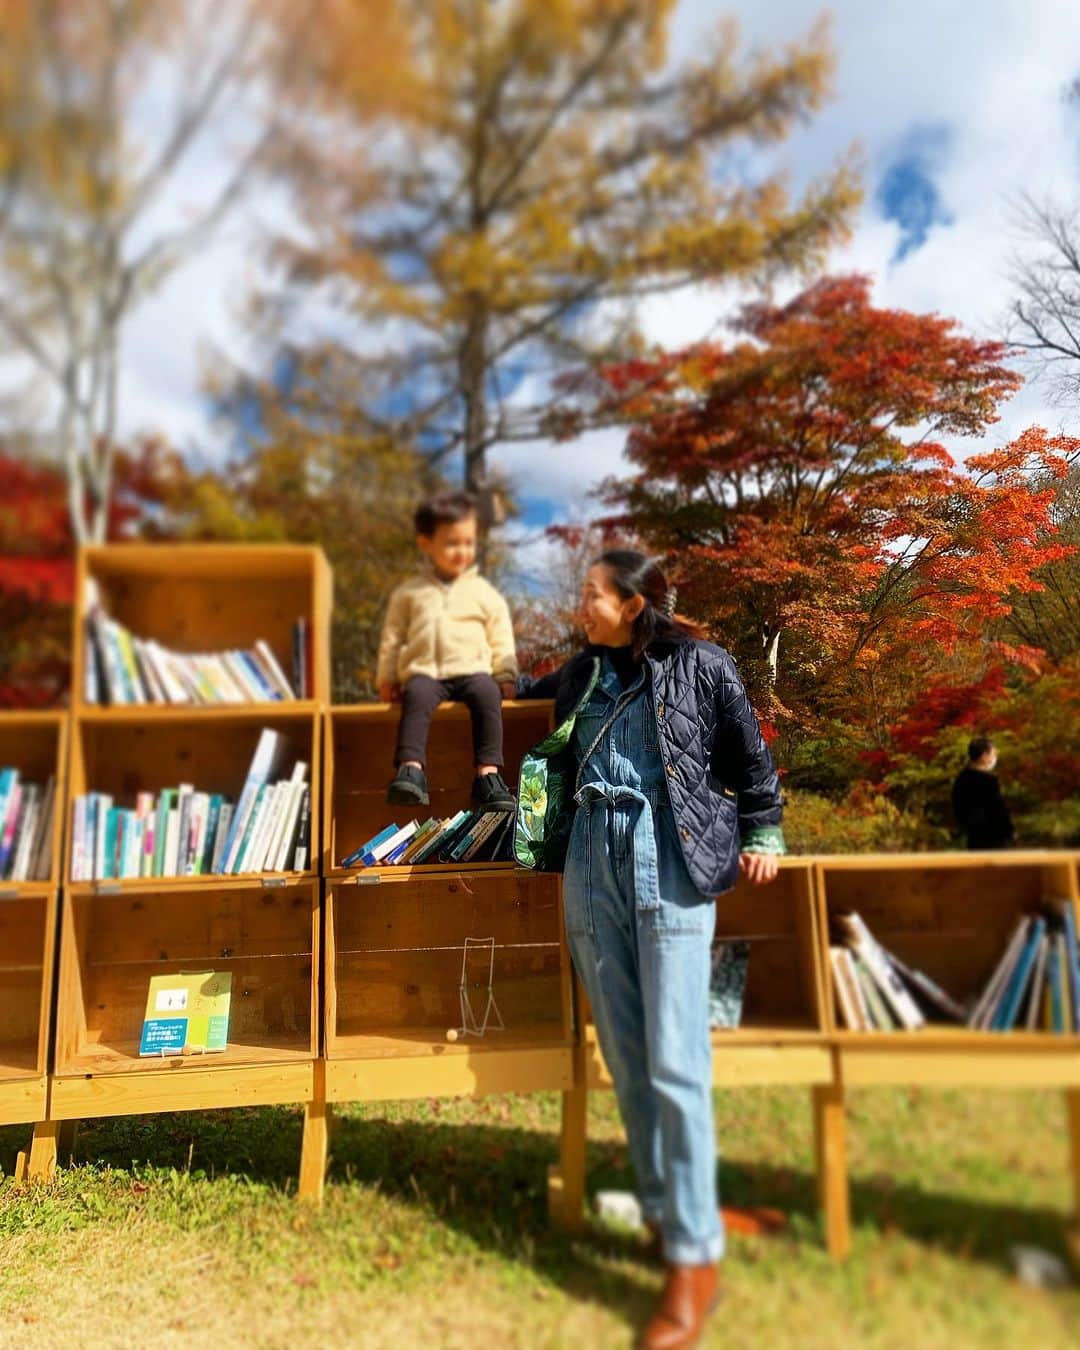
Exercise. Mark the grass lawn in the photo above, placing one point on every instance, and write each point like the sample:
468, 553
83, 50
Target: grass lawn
183, 1230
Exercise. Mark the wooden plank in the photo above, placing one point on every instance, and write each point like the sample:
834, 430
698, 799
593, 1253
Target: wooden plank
314, 1152
741, 1064
830, 1149
566, 1179
41, 1164
181, 1087
200, 924
475, 1073
930, 1068
23, 1099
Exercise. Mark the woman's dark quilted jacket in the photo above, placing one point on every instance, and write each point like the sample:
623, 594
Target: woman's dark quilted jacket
721, 777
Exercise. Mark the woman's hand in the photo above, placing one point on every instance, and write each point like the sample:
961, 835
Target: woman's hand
508, 689
390, 693
759, 868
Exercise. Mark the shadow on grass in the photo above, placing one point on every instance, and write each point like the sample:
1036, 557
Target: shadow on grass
488, 1182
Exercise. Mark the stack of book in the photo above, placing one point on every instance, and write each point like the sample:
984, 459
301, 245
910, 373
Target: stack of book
121, 668
26, 817
181, 832
468, 836
1035, 985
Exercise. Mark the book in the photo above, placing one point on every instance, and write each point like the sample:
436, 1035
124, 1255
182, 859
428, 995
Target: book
122, 668
352, 859
879, 1012
379, 852
186, 1014
927, 993
892, 987
1072, 959
978, 1018
1013, 992
301, 844
848, 1000
1038, 981
264, 763
1055, 978
439, 837
728, 967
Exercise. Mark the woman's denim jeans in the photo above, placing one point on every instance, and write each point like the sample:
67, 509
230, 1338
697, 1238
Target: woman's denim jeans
639, 933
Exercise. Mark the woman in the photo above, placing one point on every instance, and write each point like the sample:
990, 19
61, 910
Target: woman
675, 791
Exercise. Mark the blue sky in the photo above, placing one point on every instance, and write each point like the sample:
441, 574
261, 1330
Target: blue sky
956, 108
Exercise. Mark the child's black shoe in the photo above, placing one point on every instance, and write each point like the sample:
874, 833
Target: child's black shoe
408, 787
490, 793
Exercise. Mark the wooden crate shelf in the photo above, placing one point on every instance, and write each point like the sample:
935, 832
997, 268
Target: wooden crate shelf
950, 915
266, 930
36, 744
112, 944
130, 750
359, 762
210, 597
394, 955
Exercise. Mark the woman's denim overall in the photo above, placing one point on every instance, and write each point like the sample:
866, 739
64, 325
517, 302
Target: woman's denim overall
639, 933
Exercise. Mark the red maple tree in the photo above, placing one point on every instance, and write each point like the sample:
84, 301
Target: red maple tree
800, 479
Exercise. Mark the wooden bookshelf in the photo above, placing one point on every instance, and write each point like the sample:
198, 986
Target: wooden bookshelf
359, 763
209, 597
36, 744
266, 928
395, 936
949, 915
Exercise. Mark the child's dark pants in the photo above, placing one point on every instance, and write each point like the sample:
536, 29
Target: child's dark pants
422, 695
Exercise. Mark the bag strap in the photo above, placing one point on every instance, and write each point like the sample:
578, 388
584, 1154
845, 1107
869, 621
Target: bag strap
621, 702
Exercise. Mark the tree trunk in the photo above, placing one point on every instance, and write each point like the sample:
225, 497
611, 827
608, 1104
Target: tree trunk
474, 396
772, 656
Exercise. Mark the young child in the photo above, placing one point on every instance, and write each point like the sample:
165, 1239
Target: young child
448, 635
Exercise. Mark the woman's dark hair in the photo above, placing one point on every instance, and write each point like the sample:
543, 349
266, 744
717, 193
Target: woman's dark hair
978, 747
633, 573
445, 509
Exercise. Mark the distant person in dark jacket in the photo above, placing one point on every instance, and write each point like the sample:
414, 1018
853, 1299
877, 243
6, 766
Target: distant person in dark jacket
977, 802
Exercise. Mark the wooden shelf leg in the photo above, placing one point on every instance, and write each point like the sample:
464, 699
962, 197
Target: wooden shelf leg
566, 1179
830, 1148
314, 1151
41, 1164
1072, 1119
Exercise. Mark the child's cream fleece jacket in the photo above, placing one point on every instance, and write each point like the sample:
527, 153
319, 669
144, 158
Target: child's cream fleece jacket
446, 628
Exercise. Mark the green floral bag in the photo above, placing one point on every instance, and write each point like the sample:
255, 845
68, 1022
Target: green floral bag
545, 809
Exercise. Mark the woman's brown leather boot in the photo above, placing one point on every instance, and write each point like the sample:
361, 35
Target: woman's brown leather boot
690, 1295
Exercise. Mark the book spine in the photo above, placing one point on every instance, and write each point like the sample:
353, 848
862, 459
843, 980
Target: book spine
302, 851
1014, 990
273, 667
1072, 960
218, 858
892, 987
265, 691
7, 838
213, 815
250, 826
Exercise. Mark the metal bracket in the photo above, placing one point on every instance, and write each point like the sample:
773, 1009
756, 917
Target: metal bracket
274, 881
365, 879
